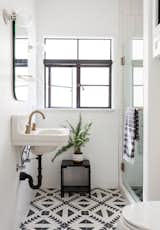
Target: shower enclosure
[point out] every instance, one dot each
(132, 49)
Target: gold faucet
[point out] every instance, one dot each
(31, 126)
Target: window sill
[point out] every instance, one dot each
(80, 109)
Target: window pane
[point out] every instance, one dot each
(20, 71)
(94, 96)
(21, 91)
(21, 84)
(138, 75)
(62, 76)
(95, 76)
(61, 97)
(61, 49)
(94, 49)
(137, 49)
(138, 96)
(21, 48)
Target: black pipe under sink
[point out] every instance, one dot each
(24, 175)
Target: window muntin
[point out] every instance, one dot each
(78, 83)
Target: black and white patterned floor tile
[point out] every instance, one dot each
(48, 211)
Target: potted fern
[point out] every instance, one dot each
(79, 136)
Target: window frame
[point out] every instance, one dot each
(77, 63)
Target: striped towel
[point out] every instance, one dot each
(131, 134)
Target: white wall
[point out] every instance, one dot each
(102, 150)
(92, 18)
(9, 182)
(151, 112)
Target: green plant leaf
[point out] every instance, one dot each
(71, 127)
(78, 128)
(77, 138)
(61, 150)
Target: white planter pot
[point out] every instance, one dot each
(77, 158)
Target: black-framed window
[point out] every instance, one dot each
(78, 73)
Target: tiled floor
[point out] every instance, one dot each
(48, 211)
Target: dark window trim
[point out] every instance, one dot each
(74, 62)
(45, 85)
(78, 87)
(21, 63)
(49, 87)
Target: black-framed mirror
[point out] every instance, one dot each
(20, 62)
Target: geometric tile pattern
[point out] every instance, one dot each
(48, 211)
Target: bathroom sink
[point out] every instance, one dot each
(42, 140)
(50, 131)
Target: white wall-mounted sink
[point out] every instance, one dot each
(42, 140)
